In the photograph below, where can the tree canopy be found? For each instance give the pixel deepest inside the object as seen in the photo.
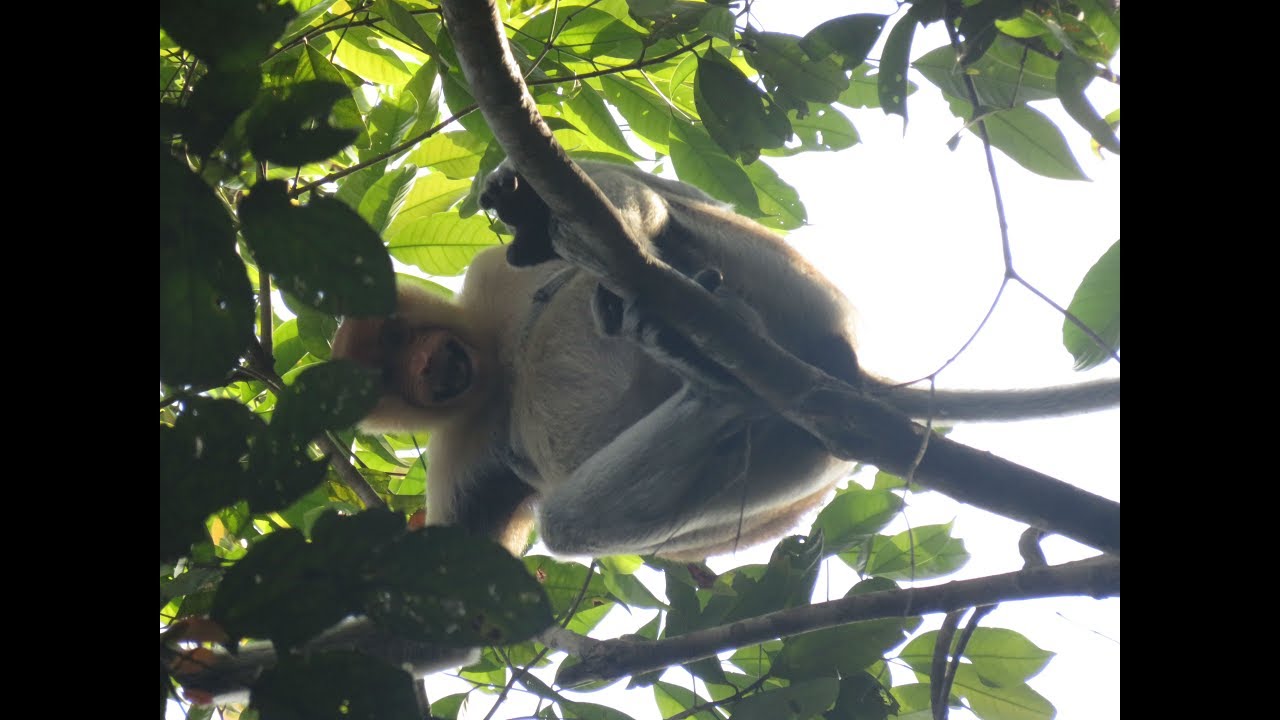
(310, 149)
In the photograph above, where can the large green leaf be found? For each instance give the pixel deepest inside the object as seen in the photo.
(791, 75)
(225, 33)
(1029, 138)
(440, 244)
(323, 252)
(440, 585)
(334, 685)
(206, 305)
(290, 125)
(1096, 304)
(1006, 76)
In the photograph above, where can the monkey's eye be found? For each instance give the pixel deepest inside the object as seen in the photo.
(447, 373)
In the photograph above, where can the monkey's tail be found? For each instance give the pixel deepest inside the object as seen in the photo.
(1000, 405)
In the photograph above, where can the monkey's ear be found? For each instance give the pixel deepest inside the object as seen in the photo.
(508, 194)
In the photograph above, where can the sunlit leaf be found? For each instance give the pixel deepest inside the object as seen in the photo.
(1096, 304)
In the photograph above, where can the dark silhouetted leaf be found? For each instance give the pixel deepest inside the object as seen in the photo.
(790, 74)
(851, 37)
(441, 584)
(291, 126)
(328, 396)
(225, 33)
(284, 591)
(206, 305)
(200, 467)
(734, 111)
(323, 253)
(335, 685)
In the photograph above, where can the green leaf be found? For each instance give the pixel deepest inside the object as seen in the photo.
(798, 701)
(200, 467)
(455, 154)
(847, 649)
(328, 396)
(779, 202)
(443, 585)
(1001, 657)
(362, 51)
(315, 66)
(1096, 304)
(586, 32)
(401, 20)
(1027, 137)
(629, 590)
(864, 90)
(290, 125)
(448, 707)
(862, 697)
(673, 699)
(287, 349)
(563, 583)
(787, 581)
(217, 100)
(790, 74)
(440, 244)
(283, 591)
(1074, 75)
(922, 553)
(206, 305)
(426, 95)
(734, 111)
(1008, 75)
(978, 25)
(385, 198)
(698, 162)
(323, 252)
(854, 515)
(647, 115)
(587, 110)
(894, 59)
(431, 194)
(334, 685)
(851, 37)
(1015, 702)
(824, 129)
(225, 33)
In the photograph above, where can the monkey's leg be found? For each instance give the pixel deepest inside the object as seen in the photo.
(659, 479)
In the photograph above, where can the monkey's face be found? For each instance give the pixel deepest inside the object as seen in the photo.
(428, 366)
(430, 372)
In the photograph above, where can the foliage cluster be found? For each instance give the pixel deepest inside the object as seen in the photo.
(306, 144)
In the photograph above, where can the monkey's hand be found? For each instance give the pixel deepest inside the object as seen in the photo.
(508, 194)
(633, 320)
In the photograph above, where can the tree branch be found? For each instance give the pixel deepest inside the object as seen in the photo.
(229, 677)
(850, 424)
(607, 660)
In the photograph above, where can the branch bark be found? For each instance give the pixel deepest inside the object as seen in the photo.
(608, 660)
(229, 678)
(850, 424)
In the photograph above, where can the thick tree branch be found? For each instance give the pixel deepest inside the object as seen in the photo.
(852, 425)
(608, 660)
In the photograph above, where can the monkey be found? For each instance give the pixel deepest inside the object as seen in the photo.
(550, 398)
